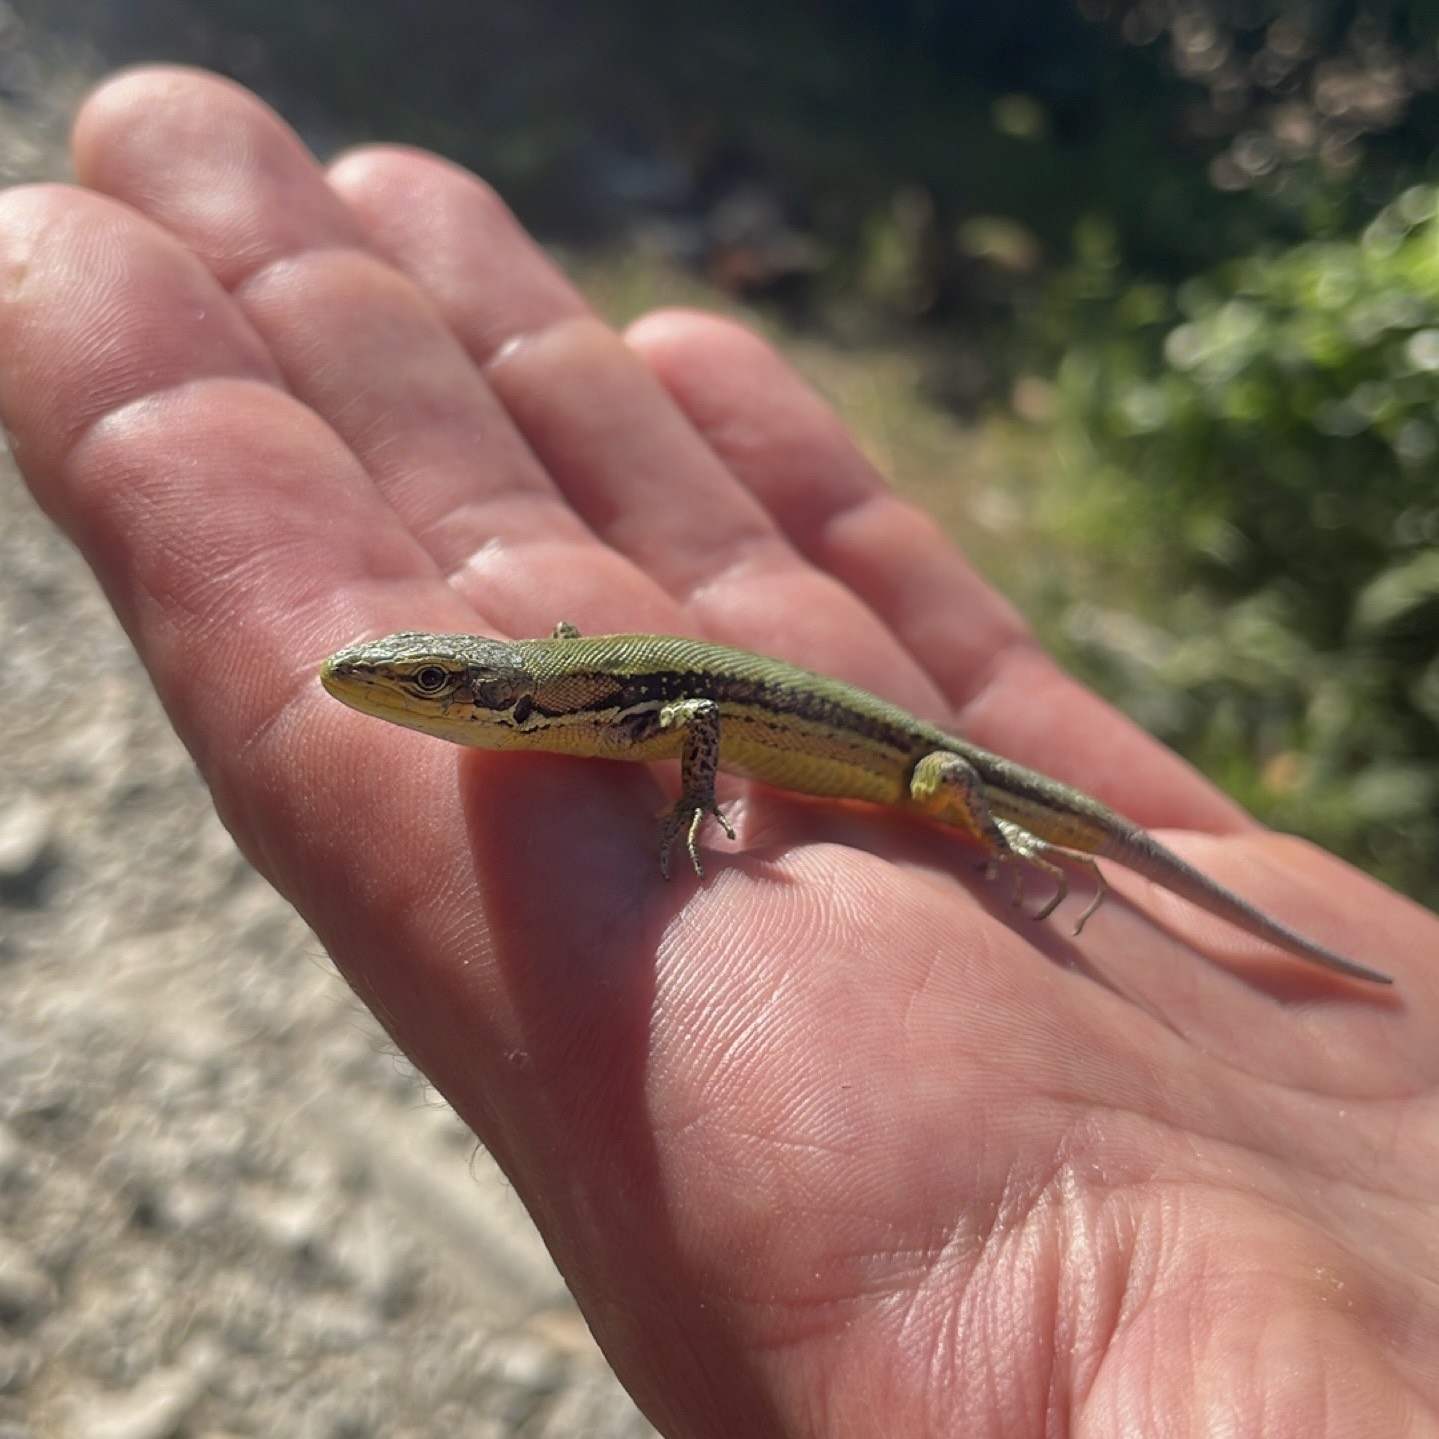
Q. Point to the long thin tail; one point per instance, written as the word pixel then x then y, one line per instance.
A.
pixel 1141 852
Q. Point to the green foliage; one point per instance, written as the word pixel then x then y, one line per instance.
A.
pixel 1271 430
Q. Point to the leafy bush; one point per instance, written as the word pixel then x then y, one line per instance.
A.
pixel 1276 426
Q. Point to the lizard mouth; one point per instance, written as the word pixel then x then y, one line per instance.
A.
pixel 354 683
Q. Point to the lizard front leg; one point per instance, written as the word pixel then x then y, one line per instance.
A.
pixel 699 721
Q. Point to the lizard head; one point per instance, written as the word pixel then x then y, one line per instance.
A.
pixel 463 688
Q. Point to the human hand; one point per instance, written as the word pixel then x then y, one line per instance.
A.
pixel 835 1143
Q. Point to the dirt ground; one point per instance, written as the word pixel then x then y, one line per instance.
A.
pixel 227 1207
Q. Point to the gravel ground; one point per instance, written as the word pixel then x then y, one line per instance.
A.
pixel 227 1207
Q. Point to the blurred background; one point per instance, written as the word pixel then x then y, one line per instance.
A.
pixel 1140 299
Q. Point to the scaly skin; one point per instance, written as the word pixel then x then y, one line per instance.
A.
pixel 653 697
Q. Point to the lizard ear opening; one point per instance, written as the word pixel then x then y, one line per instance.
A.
pixel 495 694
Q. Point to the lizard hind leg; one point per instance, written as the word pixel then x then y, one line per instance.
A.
pixel 946 787
pixel 1037 852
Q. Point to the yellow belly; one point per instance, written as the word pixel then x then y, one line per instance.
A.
pixel 837 766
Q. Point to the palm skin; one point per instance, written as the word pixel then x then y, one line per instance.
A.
pixel 835 1143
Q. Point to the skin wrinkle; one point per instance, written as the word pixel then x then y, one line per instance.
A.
pixel 824 476
pixel 1019 650
pixel 767 560
pixel 921 992
pixel 746 554
pixel 751 558
pixel 732 430
pixel 568 354
pixel 870 509
pixel 390 554
pixel 788 1148
pixel 440 383
pixel 519 477
pixel 1000 1335
pixel 130 390
pixel 142 593
pixel 1256 1094
pixel 276 270
pixel 907 1313
pixel 1102 1123
pixel 389 188
pixel 269 263
pixel 1080 1336
pixel 263 170
pixel 1175 1298
pixel 519 348
pixel 533 569
pixel 927 1255
pixel 720 1042
pixel 1220 1189
pixel 554 526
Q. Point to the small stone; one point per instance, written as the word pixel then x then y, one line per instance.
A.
pixel 563 1328
pixel 364 1253
pixel 18 1363
pixel 26 1290
pixel 12 1155
pixel 27 826
pixel 462 1419
pixel 335 1417
pixel 180 1207
pixel 524 1363
pixel 27 850
pixel 582 1408
pixel 153 1408
pixel 94 754
pixel 293 1222
pixel 336 1324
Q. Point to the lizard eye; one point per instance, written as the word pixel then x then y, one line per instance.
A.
pixel 430 679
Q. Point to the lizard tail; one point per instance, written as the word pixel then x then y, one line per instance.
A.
pixel 1137 850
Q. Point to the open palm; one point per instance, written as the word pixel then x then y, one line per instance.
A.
pixel 836 1143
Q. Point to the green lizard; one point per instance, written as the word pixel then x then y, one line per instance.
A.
pixel 656 697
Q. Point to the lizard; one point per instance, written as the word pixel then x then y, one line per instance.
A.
pixel 713 707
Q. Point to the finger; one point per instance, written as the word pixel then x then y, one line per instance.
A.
pixel 632 464
pixel 614 443
pixel 789 449
pixel 149 423
pixel 619 449
pixel 236 532
pixel 350 337
pixel 239 543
